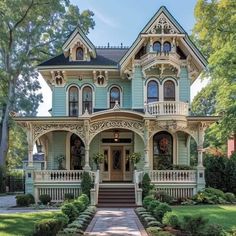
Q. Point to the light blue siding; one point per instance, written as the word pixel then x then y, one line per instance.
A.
pixel 184 86
pixel 59 101
pixel 58 147
pixel 137 89
pixel 182 149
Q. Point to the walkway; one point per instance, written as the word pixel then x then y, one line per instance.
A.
pixel 7 201
pixel 117 222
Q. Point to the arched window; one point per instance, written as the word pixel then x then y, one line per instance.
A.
pixel 169 91
pixel 162 151
pixel 152 91
pixel 87 99
pixel 166 47
pixel 79 53
pixel 114 96
pixel 157 46
pixel 73 101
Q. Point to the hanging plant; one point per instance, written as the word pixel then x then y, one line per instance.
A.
pixel 135 158
pixel 98 158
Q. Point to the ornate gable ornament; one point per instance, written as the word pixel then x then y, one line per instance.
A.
pixel 58 78
pixel 100 78
pixel 163 26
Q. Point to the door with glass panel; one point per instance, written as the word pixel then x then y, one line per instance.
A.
pixel 116 163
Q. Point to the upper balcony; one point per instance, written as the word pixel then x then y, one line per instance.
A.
pixel 167 108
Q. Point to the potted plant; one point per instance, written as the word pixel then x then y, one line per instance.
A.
pixel 98 158
pixel 135 157
pixel 60 160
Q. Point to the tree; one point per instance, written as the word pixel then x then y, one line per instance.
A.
pixel 30 32
pixel 215 34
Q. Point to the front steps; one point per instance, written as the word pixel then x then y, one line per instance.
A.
pixel 116 195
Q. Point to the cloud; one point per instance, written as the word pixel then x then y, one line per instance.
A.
pixel 106 20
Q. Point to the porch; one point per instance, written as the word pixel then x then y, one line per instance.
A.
pixel 177 183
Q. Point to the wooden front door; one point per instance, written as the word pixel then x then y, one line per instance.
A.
pixel 116 164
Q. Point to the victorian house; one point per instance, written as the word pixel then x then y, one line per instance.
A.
pixel 112 102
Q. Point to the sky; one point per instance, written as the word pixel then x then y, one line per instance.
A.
pixel 120 21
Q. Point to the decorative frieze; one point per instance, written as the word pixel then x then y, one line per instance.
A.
pixel 58 78
pixel 100 78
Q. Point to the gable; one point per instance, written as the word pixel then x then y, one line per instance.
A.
pixel 163 27
pixel 78 39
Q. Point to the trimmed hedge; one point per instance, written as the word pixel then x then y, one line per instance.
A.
pixel 45 199
pixel 25 199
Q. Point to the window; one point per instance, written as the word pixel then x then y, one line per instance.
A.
pixel 114 96
pixel 162 151
pixel 157 46
pixel 166 47
pixel 169 91
pixel 87 99
pixel 73 101
pixel 79 53
pixel 152 91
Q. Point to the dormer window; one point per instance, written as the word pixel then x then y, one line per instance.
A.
pixel 79 54
pixel 157 46
pixel 169 91
pixel 166 47
pixel 73 101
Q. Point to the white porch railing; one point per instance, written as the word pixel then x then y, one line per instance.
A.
pixel 60 175
pixel 95 191
pixel 138 176
pixel 167 108
pixel 173 176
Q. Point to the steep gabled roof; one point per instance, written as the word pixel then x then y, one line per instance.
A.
pixel 177 26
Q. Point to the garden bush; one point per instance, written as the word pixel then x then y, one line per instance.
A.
pixel 152 205
pixel 62 218
pixel 146 185
pixel 230 197
pixel 160 211
pixel 48 227
pixel 163 196
pixel 213 230
pixel 24 199
pixel 69 196
pixel 193 224
pixel 147 200
pixel 45 199
pixel 84 199
pixel 2 179
pixel 86 184
pixel 70 210
pixel 157 231
pixel 171 219
pixel 79 205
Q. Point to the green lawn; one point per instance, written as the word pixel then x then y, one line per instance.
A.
pixel 21 224
pixel 224 215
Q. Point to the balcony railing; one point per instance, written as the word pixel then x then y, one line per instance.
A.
pixel 167 108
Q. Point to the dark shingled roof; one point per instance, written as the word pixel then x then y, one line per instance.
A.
pixel 105 57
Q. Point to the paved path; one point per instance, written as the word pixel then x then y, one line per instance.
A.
pixel 7 201
pixel 115 222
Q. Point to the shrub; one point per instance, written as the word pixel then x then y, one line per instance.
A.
pixel 45 199
pixel 140 209
pixel 64 219
pixel 79 205
pixel 146 185
pixel 84 199
pixel 47 227
pixel 24 199
pixel 70 210
pixel 147 200
pixel 157 231
pixel 154 223
pixel 171 219
pixel 230 197
pixel 213 230
pixel 216 192
pixel 152 205
pixel 2 179
pixel 193 224
pixel 86 184
pixel 162 196
pixel 68 196
pixel 160 211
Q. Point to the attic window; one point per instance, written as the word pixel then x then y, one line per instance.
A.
pixel 79 53
pixel 166 47
pixel 157 46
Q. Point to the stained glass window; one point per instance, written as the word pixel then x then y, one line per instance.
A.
pixel 79 53
pixel 169 90
pixel 166 47
pixel 114 96
pixel 87 99
pixel 157 46
pixel 73 101
pixel 152 91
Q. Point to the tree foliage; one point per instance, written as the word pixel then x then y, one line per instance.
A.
pixel 30 32
pixel 215 34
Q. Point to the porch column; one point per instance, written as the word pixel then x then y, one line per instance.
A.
pixel 87 166
pixel 200 155
pixel 146 148
pixel 30 145
pixel 151 45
